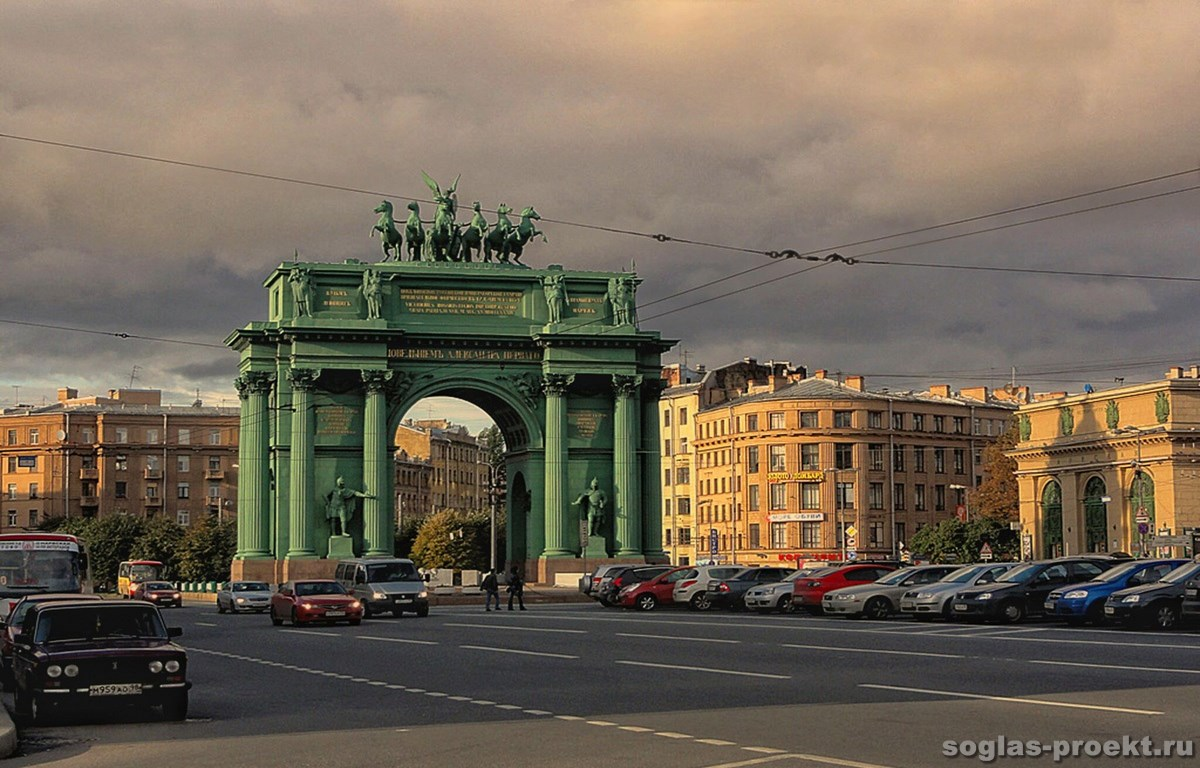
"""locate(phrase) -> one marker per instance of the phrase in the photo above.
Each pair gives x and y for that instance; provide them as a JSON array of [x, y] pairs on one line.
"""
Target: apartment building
[[439, 465]]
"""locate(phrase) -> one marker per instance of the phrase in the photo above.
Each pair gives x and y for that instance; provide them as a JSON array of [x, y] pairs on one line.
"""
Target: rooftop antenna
[[133, 375]]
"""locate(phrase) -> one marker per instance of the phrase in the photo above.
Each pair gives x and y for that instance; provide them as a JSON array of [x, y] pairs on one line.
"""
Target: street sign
[[1170, 541], [851, 542], [1142, 516], [851, 531], [712, 542], [985, 552], [851, 554], [961, 512], [1143, 528]]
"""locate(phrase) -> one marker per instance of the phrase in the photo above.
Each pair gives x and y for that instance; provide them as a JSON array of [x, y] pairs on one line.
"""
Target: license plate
[[1193, 592], [335, 613], [115, 689], [907, 605], [960, 607], [1049, 605], [405, 599], [1108, 609]]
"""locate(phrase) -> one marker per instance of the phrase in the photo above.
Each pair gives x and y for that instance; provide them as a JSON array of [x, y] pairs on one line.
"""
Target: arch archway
[[1052, 520], [1095, 512]]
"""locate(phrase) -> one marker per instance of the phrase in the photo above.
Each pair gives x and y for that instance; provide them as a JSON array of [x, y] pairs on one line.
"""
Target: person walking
[[516, 588], [491, 589]]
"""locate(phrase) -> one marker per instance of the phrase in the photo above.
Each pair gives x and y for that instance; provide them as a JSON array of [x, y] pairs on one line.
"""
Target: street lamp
[[965, 501]]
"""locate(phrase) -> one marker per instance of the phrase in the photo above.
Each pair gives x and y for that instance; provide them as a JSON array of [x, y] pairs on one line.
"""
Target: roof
[[122, 408], [828, 389]]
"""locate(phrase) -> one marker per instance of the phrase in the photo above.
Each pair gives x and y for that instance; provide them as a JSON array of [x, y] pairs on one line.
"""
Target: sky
[[757, 126]]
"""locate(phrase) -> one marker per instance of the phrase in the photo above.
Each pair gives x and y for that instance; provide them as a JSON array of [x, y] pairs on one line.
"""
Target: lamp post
[[965, 501]]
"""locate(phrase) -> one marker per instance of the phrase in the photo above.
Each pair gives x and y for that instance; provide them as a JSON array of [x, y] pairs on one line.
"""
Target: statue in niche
[[372, 291], [593, 501], [1162, 407], [1112, 414], [1024, 426], [555, 287], [300, 278], [621, 297], [339, 506]]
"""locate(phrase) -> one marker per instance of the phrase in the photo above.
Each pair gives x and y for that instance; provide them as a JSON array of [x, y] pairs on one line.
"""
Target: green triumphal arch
[[554, 356]]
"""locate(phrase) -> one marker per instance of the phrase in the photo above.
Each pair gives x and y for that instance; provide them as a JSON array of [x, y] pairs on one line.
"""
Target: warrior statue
[[593, 501], [339, 506]]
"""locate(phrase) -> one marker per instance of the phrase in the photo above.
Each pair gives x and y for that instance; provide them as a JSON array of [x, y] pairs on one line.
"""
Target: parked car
[[809, 590], [391, 584], [933, 600], [1190, 607], [161, 593], [612, 584], [648, 595], [589, 583], [1157, 605], [729, 592], [690, 590], [303, 602], [238, 596], [12, 624], [776, 596], [881, 598], [100, 653], [1022, 591], [1085, 602]]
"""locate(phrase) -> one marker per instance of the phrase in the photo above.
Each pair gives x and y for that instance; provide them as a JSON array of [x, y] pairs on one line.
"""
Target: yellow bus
[[131, 572]]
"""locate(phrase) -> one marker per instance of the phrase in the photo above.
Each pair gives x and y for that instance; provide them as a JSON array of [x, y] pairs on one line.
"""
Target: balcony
[[153, 474], [89, 501], [214, 474], [153, 501], [89, 473]]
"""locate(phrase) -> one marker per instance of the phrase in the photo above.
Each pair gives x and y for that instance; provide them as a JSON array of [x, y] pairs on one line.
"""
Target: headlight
[[176, 595], [304, 604], [53, 671], [356, 604], [422, 594], [70, 670], [844, 597], [984, 596], [241, 601], [923, 595], [814, 583], [1132, 599], [1076, 594], [156, 666], [172, 666], [378, 596]]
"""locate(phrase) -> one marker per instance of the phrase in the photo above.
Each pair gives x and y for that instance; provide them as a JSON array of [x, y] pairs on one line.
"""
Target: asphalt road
[[578, 685]]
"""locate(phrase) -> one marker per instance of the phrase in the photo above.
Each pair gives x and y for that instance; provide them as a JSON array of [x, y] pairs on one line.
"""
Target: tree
[[406, 536], [450, 539], [160, 540], [952, 541], [207, 550], [997, 497], [109, 540]]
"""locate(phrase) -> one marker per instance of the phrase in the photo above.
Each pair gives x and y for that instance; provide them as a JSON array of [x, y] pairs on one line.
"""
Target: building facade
[[793, 469], [126, 453], [1116, 470], [439, 465]]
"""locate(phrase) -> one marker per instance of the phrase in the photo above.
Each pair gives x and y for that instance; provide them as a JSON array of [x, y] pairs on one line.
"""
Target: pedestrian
[[516, 588], [491, 589]]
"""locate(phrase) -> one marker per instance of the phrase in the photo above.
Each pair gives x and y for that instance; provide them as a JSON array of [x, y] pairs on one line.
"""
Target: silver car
[[881, 598], [777, 596], [239, 596], [689, 590], [933, 600]]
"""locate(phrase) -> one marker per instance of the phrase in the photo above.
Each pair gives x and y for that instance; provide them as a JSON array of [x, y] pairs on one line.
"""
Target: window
[[120, 462], [683, 506], [810, 495], [897, 421], [151, 464], [88, 461], [183, 517], [842, 419], [12, 463], [87, 435], [667, 507], [183, 491], [959, 461], [667, 417], [685, 536], [810, 535], [939, 460], [33, 490], [939, 423], [12, 517], [683, 474], [33, 518], [939, 498], [667, 535], [752, 422], [185, 437], [752, 458], [151, 491], [975, 426], [753, 497], [119, 488], [845, 495], [808, 419], [918, 422], [919, 497], [12, 440], [875, 496], [875, 450], [183, 462], [12, 490], [875, 419], [778, 535], [843, 455], [35, 437], [667, 476], [810, 456], [666, 447], [776, 420], [959, 425], [683, 445], [777, 458], [755, 542], [898, 496], [683, 415], [898, 458], [875, 535], [151, 436], [214, 491], [919, 458], [122, 435], [778, 492], [214, 437]]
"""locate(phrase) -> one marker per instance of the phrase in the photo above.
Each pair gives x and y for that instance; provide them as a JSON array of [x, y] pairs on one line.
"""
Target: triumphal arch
[[554, 355]]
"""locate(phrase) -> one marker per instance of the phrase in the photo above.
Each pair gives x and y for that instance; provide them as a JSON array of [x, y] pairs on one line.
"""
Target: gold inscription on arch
[[440, 301], [440, 353]]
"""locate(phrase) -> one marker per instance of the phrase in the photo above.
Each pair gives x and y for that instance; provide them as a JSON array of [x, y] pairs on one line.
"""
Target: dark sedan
[[1156, 605], [731, 593], [100, 653], [162, 593], [1022, 591], [12, 625]]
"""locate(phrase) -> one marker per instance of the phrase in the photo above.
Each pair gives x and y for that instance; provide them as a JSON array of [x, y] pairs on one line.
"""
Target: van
[[384, 584]]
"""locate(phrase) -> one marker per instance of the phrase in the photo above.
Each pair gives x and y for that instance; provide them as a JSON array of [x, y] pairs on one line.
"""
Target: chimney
[[855, 383], [975, 393], [821, 373], [1174, 372], [67, 393], [940, 390], [1194, 372]]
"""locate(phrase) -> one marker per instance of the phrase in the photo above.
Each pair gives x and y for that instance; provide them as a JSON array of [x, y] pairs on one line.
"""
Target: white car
[[776, 596], [881, 598], [689, 590], [933, 600], [244, 596]]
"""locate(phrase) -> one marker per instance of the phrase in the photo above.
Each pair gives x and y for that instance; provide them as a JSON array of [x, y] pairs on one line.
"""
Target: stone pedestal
[[341, 547], [596, 549]]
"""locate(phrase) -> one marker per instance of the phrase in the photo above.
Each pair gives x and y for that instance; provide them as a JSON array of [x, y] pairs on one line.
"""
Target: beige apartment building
[[788, 469], [126, 453], [439, 465], [1114, 470]]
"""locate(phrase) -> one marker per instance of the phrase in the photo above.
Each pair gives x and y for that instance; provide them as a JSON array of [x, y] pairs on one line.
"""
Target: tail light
[[685, 584], [618, 582], [722, 587]]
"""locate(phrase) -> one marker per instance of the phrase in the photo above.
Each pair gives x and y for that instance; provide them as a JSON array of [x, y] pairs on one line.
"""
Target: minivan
[[384, 584]]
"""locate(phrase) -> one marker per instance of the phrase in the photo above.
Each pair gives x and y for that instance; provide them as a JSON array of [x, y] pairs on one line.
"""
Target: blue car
[[1085, 602]]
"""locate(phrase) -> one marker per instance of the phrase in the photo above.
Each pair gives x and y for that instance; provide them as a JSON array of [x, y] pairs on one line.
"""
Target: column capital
[[303, 378], [556, 383], [376, 381], [254, 383], [626, 386]]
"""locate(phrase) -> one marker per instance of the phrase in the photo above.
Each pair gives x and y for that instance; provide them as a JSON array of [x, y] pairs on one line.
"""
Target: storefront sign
[[809, 476], [798, 517]]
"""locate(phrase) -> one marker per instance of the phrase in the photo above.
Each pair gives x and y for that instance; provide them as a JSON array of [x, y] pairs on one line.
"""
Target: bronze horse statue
[[389, 236], [441, 236], [414, 231], [497, 240], [525, 232]]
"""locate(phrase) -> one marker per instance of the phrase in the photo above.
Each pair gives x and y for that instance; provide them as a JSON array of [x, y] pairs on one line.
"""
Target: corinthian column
[[627, 530], [303, 381], [377, 508], [556, 517], [254, 522]]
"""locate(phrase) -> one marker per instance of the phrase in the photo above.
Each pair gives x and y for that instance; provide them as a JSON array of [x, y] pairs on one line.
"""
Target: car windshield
[[819, 572], [157, 585], [1183, 573], [800, 573], [110, 622], [392, 572], [963, 575], [1120, 572], [897, 576], [1023, 573], [309, 588], [250, 586]]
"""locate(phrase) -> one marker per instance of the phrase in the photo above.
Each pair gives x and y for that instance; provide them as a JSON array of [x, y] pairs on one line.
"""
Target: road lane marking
[[1114, 666], [711, 670], [765, 750], [679, 637], [673, 735], [539, 712], [397, 640], [717, 742], [752, 761], [636, 729], [204, 624], [872, 650], [514, 650], [601, 723], [311, 632], [519, 629], [836, 761], [1014, 699]]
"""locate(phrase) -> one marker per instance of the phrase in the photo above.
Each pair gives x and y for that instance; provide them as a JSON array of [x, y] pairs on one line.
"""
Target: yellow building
[[439, 465], [1117, 470]]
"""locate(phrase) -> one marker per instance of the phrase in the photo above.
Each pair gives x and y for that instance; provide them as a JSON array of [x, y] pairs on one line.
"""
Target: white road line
[[765, 750], [513, 650], [204, 624], [717, 742], [1014, 699], [1114, 666], [673, 735], [396, 640], [753, 761], [602, 723], [711, 670], [519, 629], [636, 729], [836, 761], [540, 712], [311, 632], [872, 650], [679, 637]]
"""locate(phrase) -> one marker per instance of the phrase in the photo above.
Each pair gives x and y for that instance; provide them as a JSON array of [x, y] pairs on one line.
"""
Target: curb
[[8, 734]]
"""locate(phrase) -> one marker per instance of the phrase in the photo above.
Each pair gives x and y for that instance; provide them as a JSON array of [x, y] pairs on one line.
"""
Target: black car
[[1022, 591], [101, 653], [1158, 604], [731, 593], [1190, 607], [614, 581]]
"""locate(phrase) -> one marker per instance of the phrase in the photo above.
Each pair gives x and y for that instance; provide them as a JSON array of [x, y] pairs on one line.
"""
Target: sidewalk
[[8, 734]]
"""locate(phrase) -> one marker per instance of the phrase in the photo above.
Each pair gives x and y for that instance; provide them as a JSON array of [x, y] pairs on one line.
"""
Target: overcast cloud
[[761, 125]]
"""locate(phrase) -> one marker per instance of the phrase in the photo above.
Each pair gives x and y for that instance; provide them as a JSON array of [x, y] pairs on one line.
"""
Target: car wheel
[[700, 602], [646, 602], [785, 604], [176, 706], [1163, 615], [21, 701], [423, 612], [366, 610], [220, 606], [275, 619], [295, 621], [877, 608], [948, 610], [603, 602], [1012, 612]]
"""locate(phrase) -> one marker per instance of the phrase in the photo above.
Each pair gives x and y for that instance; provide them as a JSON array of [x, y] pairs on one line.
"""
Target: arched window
[[1141, 500], [1052, 529], [1095, 512]]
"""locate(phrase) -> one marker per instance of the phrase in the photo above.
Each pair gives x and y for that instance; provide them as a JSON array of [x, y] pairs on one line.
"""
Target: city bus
[[41, 562], [131, 572]]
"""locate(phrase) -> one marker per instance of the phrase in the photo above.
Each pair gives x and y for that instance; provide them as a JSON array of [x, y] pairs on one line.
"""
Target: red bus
[[41, 562]]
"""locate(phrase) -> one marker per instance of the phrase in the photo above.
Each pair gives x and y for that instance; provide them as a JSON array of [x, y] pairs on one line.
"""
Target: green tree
[[997, 497], [207, 550], [406, 536], [952, 541], [109, 540], [450, 539], [159, 541]]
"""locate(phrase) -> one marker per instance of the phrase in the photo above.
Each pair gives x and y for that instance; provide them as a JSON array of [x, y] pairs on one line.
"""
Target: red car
[[808, 591], [161, 593], [647, 595], [311, 600]]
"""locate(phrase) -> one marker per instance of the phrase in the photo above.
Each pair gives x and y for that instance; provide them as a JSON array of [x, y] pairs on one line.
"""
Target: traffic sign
[[1142, 515], [851, 542], [1143, 528], [985, 552], [851, 531], [712, 542], [961, 512], [851, 554]]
